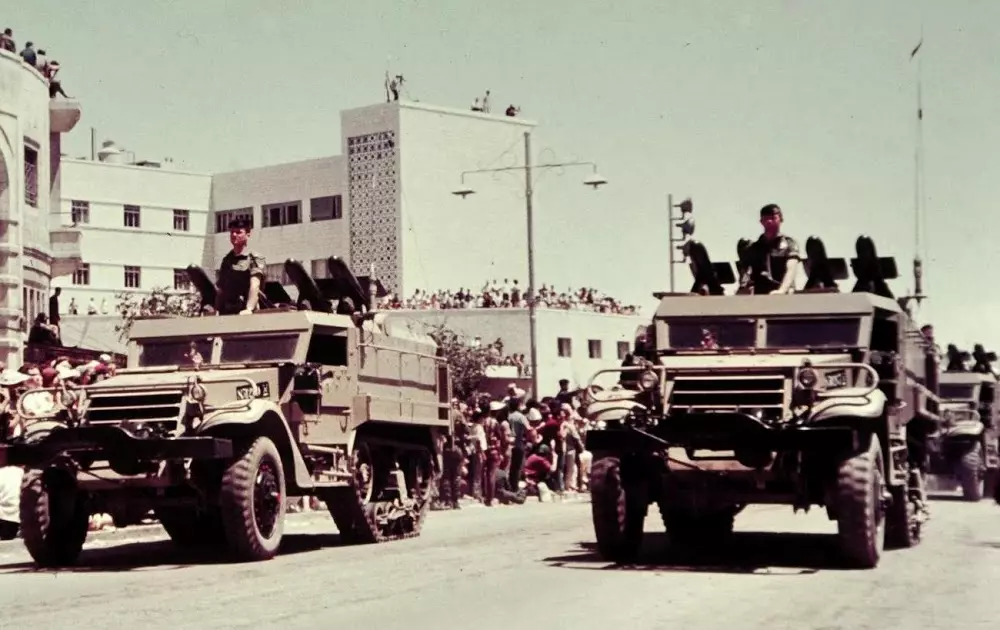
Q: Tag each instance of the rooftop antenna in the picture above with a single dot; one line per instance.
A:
(919, 210)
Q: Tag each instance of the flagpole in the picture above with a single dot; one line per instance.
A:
(919, 209)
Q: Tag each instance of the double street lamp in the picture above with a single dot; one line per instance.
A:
(463, 191)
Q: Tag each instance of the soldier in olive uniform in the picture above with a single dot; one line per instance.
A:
(241, 273)
(773, 259)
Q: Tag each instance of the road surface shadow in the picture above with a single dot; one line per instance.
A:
(163, 555)
(761, 553)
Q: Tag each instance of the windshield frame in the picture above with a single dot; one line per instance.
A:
(212, 349)
(786, 325)
(669, 329)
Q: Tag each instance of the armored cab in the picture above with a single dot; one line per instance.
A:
(819, 397)
(220, 419)
(963, 451)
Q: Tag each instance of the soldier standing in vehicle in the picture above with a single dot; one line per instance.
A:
(241, 273)
(773, 259)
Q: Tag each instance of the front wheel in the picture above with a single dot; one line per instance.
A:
(968, 472)
(54, 517)
(619, 507)
(252, 501)
(861, 498)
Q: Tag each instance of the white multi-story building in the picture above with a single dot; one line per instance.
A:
(35, 246)
(386, 202)
(143, 225)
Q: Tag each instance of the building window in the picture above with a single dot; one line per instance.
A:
(80, 211)
(131, 216)
(565, 346)
(133, 277)
(223, 218)
(594, 348)
(31, 177)
(326, 208)
(276, 273)
(181, 280)
(182, 220)
(623, 349)
(278, 214)
(81, 277)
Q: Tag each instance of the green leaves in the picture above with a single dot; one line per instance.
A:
(467, 363)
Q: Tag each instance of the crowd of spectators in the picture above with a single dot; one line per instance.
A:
(506, 450)
(37, 59)
(510, 294)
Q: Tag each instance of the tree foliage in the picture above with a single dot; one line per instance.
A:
(161, 301)
(467, 362)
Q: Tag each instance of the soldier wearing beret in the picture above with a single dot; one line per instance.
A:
(241, 273)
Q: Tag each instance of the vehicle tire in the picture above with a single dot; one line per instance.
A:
(252, 500)
(619, 511)
(969, 474)
(990, 479)
(861, 507)
(54, 517)
(902, 527)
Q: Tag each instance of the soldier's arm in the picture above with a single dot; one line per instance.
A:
(256, 280)
(794, 261)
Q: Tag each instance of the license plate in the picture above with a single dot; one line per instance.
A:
(246, 392)
(836, 379)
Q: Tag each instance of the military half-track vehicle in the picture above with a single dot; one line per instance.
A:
(816, 398)
(219, 420)
(964, 448)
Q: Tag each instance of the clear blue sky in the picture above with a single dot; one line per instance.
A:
(806, 103)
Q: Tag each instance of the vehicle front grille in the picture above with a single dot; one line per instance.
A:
(728, 392)
(156, 407)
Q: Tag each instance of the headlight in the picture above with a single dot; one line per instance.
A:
(70, 398)
(198, 392)
(649, 380)
(808, 378)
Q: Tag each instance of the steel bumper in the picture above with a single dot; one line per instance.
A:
(112, 442)
(724, 432)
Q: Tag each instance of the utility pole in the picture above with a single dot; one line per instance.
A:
(532, 320)
(595, 181)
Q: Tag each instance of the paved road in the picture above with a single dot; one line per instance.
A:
(519, 567)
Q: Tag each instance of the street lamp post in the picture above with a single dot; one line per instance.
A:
(594, 180)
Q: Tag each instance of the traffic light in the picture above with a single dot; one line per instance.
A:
(686, 222)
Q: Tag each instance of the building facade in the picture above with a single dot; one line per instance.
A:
(36, 246)
(142, 225)
(386, 200)
(572, 344)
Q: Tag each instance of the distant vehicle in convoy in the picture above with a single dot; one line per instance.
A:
(219, 420)
(817, 398)
(963, 451)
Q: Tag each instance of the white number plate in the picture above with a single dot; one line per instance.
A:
(245, 392)
(836, 379)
